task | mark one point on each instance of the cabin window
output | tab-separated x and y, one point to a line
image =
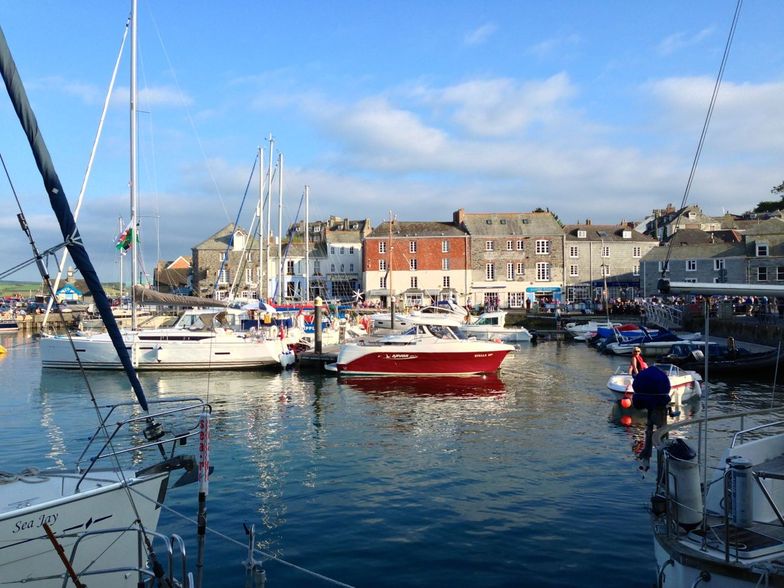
542	246
489	272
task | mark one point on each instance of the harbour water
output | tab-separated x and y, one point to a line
526	479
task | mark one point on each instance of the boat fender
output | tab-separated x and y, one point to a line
684	483
698	355
651	389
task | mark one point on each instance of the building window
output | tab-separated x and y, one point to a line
342	268
636	251
489	245
412	246
351	250
718	265
581	234
414	282
605	251
520	269
412	264
444	246
342	250
445	282
635	270
489	272
605	270
520	245
332	267
574	251
382	282
510	271
762	274
762	249
664	267
445	264
290	267
382	265
574	271
690	280
691	265
382	246
543	270
351	267
316	267
509	245
248	275
223	276
542	246
222	256
332	250
515	299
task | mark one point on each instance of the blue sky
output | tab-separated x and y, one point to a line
592	109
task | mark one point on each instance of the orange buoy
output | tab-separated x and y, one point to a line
626	402
626	420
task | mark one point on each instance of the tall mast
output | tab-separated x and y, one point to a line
307	243
389	260
280	228
269	217
133	181
121	226
260	228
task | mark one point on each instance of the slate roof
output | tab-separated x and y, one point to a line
700	251
610	233
417	229
487	224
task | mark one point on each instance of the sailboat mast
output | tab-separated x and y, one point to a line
269	218
133	181
307	242
280	228
120	224
260	273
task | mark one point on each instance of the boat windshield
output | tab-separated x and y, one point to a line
444	332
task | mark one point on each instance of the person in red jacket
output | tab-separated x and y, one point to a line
638	363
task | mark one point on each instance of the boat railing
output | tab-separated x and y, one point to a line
173	545
154	433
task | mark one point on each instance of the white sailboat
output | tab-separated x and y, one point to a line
212	347
95	523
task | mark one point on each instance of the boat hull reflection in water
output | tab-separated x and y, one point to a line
464	386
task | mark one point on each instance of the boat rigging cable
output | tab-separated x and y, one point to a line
708	116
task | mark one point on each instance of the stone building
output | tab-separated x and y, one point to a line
226	261
599	254
173	277
516	259
416	262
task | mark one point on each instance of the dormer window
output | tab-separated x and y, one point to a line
489	222
627	234
762	249
581	234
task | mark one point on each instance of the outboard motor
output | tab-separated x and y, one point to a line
684	483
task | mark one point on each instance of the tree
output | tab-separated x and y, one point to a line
771	205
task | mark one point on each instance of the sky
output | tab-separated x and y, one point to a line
591	109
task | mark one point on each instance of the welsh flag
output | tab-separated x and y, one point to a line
124	240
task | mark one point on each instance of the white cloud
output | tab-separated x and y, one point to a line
153	96
554	45
480	35
678	41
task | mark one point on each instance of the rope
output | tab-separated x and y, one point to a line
244	546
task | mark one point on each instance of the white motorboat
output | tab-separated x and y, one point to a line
654	345
580	331
684	384
491	326
424	349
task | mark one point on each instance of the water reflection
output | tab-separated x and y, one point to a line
435	386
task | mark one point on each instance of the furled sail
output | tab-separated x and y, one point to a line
62	210
146	296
